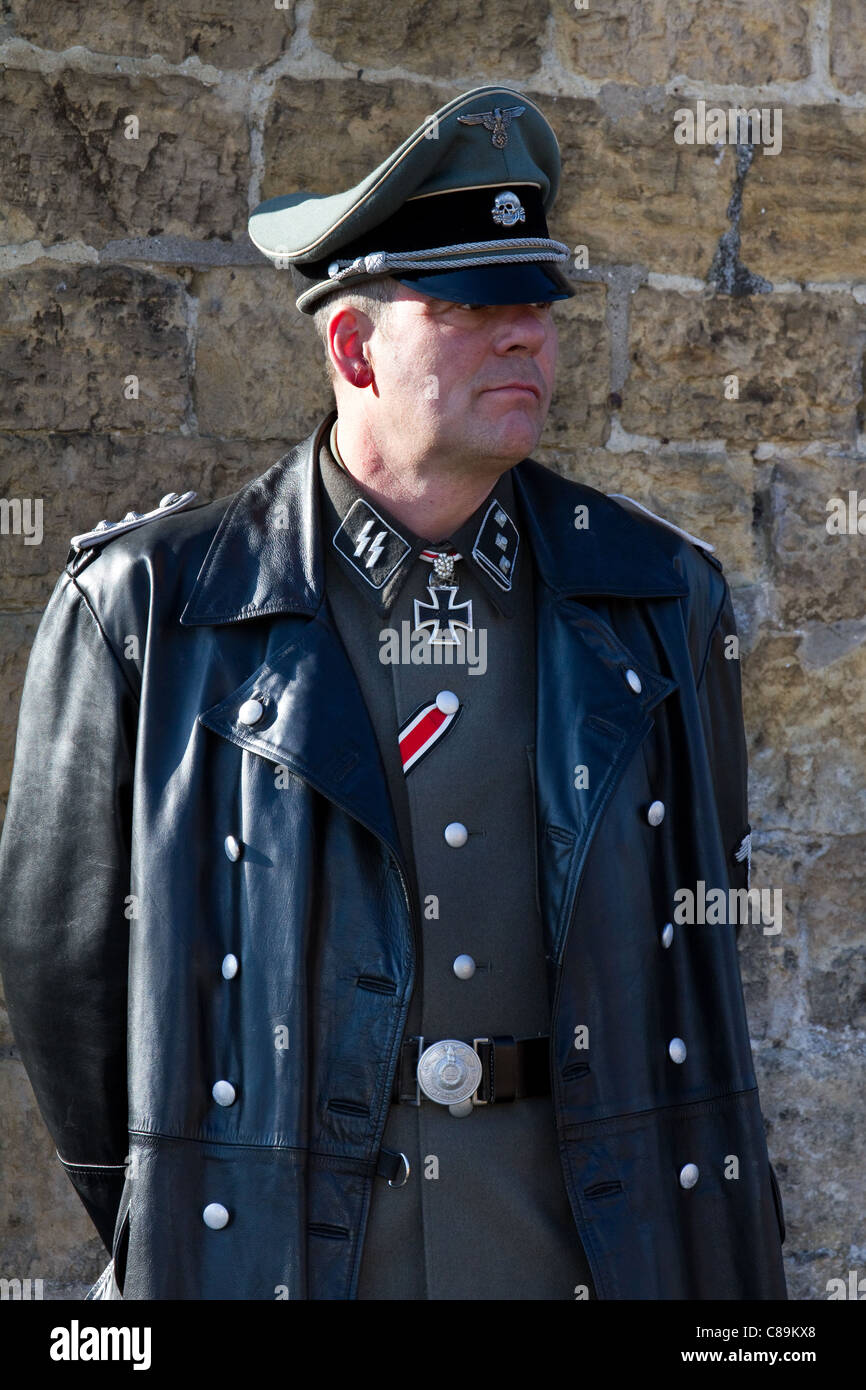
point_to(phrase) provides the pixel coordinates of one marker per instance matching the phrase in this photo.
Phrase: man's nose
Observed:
(524, 327)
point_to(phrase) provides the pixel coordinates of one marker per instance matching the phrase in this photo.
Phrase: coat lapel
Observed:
(265, 560)
(316, 724)
(589, 718)
(589, 723)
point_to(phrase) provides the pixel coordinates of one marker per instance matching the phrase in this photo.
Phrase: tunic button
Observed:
(233, 848)
(656, 813)
(456, 834)
(689, 1175)
(224, 1093)
(634, 681)
(251, 711)
(230, 967)
(447, 701)
(464, 967)
(215, 1215)
(677, 1050)
(667, 934)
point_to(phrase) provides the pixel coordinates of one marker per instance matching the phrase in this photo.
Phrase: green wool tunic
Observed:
(484, 1213)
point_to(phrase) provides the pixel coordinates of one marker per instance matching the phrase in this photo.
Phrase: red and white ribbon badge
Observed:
(426, 727)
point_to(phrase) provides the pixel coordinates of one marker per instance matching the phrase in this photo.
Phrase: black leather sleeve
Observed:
(720, 692)
(64, 881)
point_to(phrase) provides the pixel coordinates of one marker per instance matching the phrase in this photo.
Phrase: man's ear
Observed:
(349, 331)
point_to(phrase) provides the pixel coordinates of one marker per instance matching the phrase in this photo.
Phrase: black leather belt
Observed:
(511, 1068)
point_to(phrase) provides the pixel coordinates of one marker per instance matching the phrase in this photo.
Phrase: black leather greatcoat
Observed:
(119, 902)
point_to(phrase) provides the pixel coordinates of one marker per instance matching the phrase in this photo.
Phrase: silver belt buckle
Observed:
(449, 1072)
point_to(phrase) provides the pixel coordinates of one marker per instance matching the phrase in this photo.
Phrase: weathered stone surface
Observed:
(70, 336)
(325, 135)
(71, 174)
(773, 964)
(45, 1232)
(83, 477)
(803, 208)
(656, 40)
(812, 1099)
(221, 32)
(807, 734)
(709, 495)
(835, 932)
(259, 368)
(7, 1042)
(17, 631)
(629, 193)
(579, 409)
(818, 576)
(435, 37)
(848, 45)
(796, 357)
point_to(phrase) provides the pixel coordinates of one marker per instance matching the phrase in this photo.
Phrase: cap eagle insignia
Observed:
(496, 121)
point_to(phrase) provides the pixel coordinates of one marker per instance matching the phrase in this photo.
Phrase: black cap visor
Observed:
(525, 283)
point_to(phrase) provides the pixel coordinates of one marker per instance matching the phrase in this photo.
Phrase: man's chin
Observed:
(515, 432)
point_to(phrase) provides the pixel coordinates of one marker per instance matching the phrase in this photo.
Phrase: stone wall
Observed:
(129, 256)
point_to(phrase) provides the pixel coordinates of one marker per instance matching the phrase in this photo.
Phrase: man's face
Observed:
(464, 383)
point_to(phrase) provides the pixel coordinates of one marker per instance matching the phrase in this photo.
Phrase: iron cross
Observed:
(437, 633)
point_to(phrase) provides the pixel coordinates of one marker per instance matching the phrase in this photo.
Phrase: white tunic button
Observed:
(233, 848)
(667, 934)
(224, 1093)
(456, 834)
(464, 967)
(215, 1215)
(230, 967)
(656, 813)
(251, 711)
(689, 1175)
(677, 1050)
(634, 681)
(447, 702)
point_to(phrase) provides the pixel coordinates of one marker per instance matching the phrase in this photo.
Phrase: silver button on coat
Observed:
(689, 1174)
(677, 1050)
(656, 813)
(233, 848)
(456, 834)
(464, 967)
(224, 1093)
(447, 701)
(215, 1215)
(230, 967)
(634, 681)
(667, 934)
(251, 711)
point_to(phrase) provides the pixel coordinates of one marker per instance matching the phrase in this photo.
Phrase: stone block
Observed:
(259, 370)
(796, 357)
(658, 40)
(72, 337)
(71, 172)
(221, 32)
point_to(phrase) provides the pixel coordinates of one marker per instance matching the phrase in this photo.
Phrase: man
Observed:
(376, 781)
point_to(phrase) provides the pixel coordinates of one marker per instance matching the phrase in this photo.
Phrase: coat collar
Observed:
(488, 542)
(266, 555)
